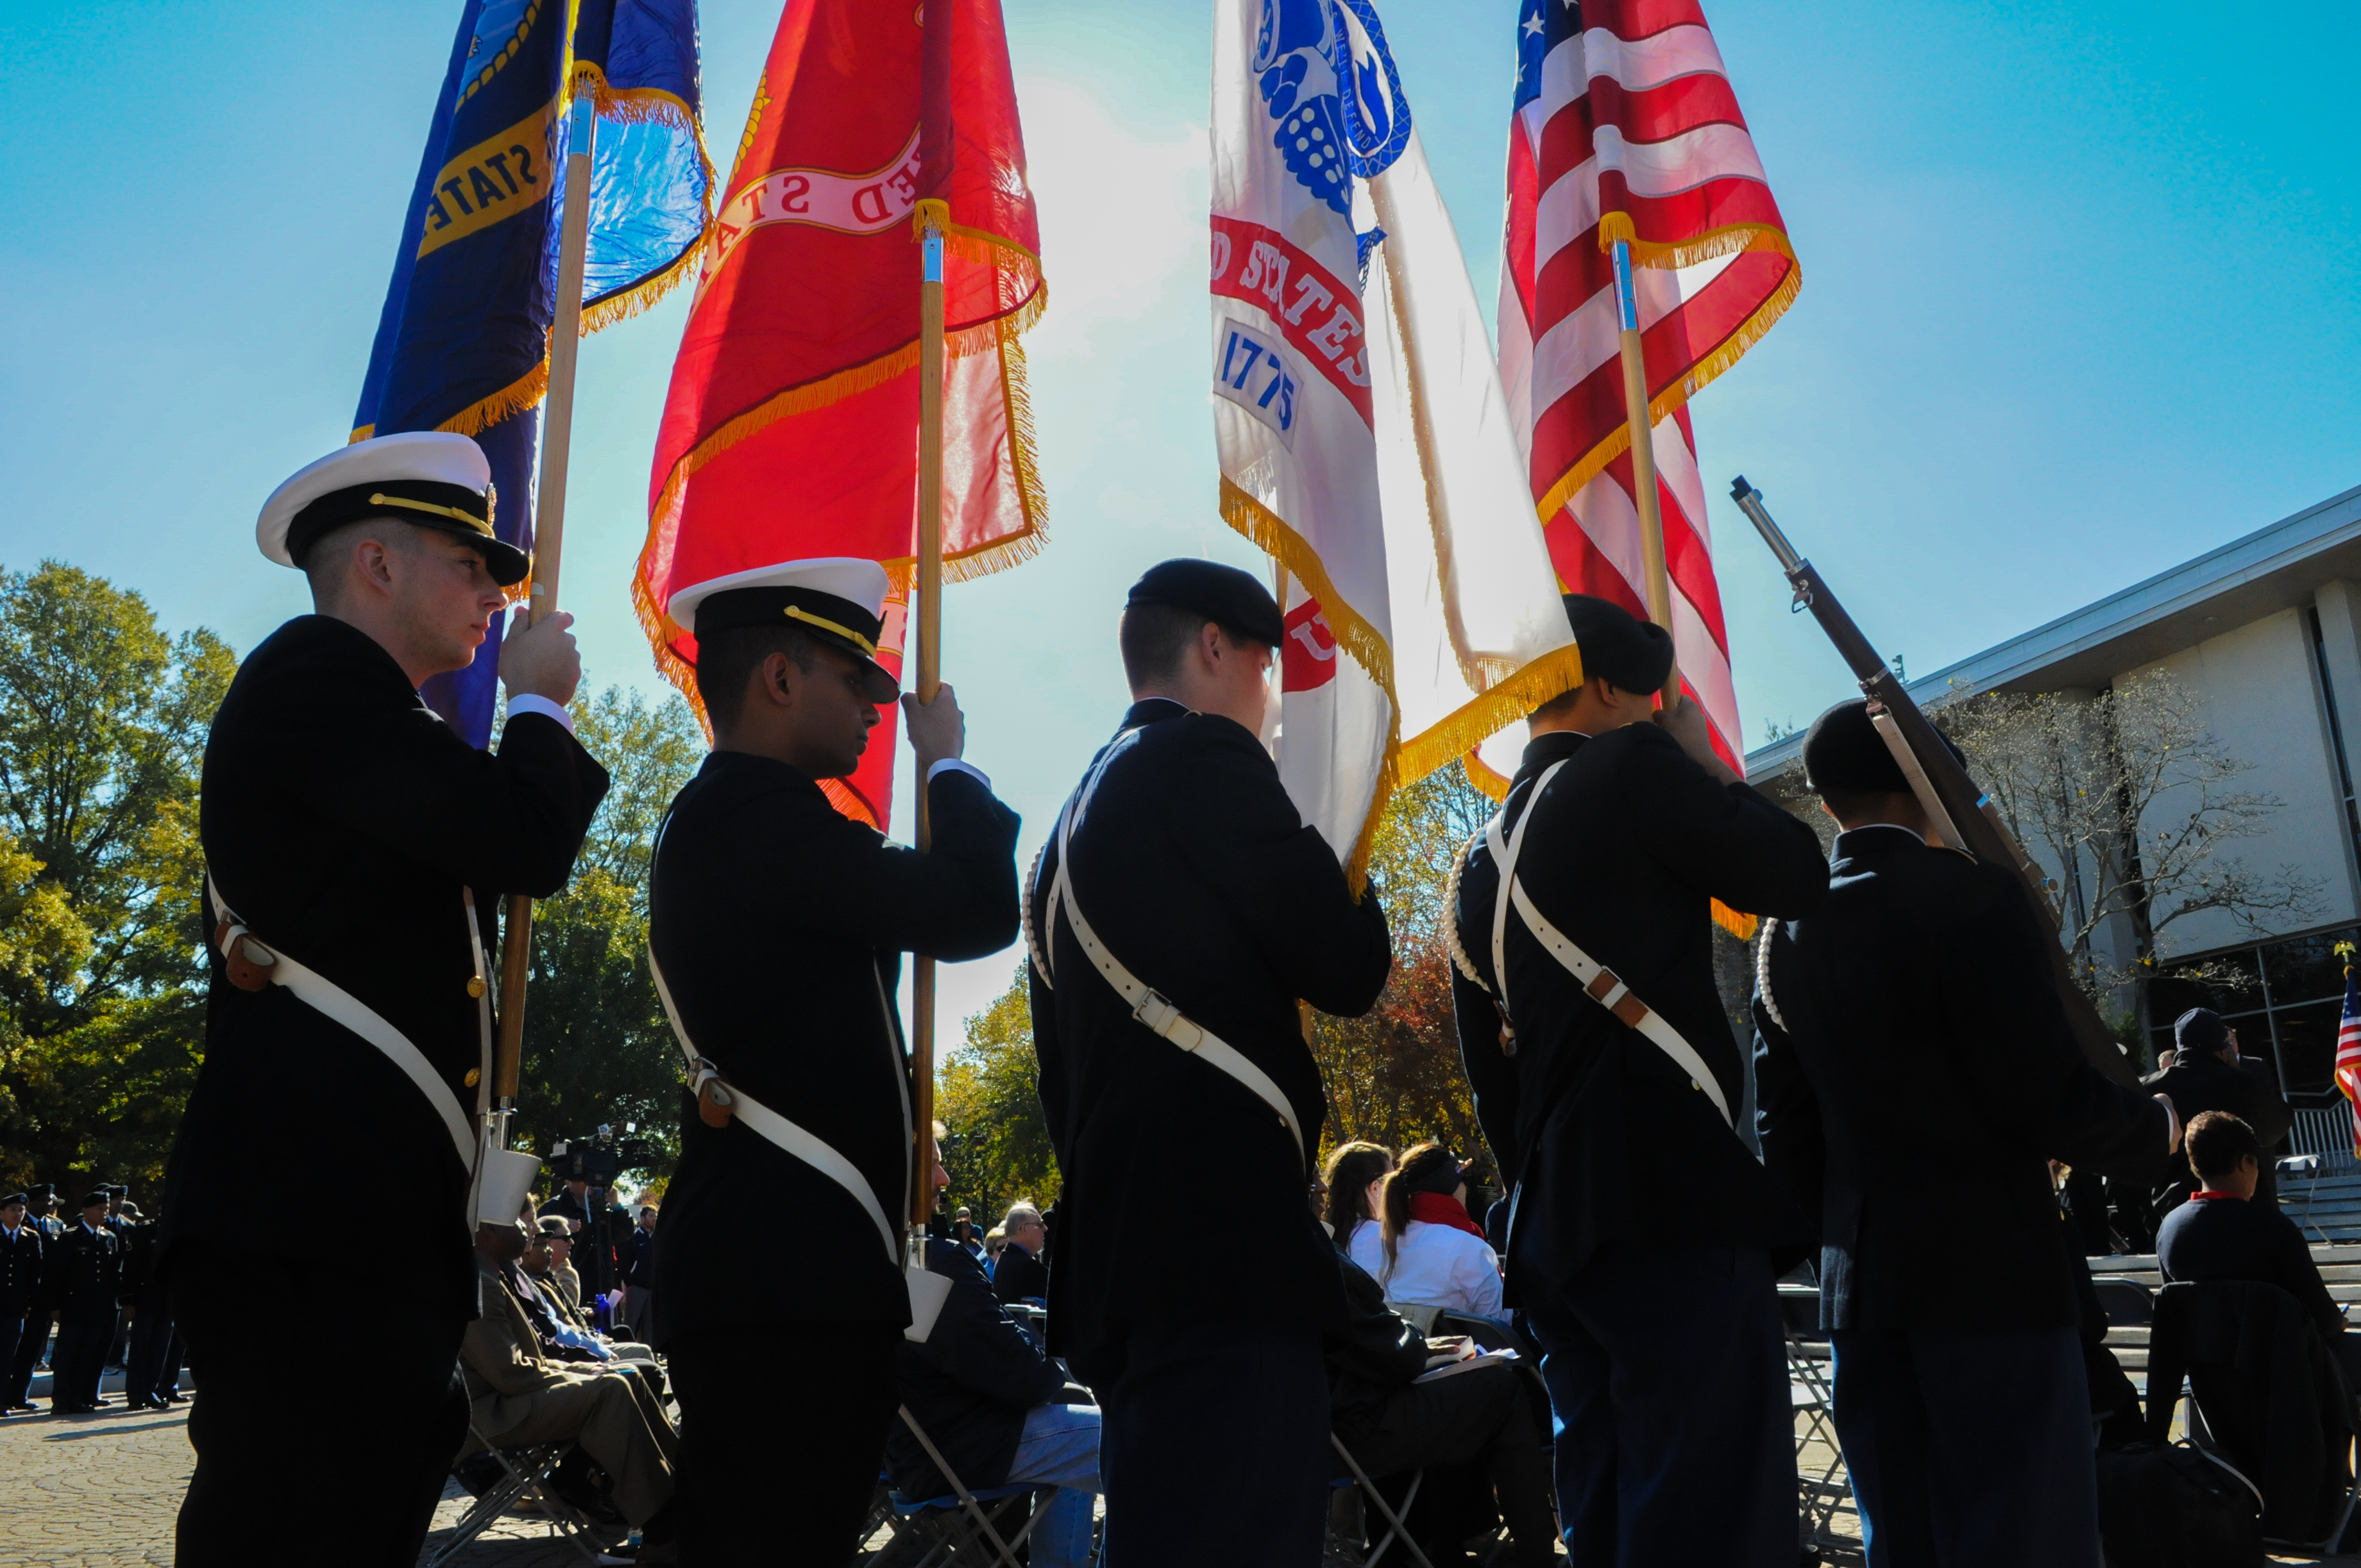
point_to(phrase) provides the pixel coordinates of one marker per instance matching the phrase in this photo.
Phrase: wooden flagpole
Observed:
(549, 535)
(1658, 585)
(932, 217)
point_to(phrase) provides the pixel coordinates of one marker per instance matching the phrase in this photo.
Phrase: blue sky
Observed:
(2079, 302)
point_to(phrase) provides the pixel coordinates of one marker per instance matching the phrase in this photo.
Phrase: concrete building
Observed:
(2265, 633)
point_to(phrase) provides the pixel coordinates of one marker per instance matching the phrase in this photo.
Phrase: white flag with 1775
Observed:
(1363, 439)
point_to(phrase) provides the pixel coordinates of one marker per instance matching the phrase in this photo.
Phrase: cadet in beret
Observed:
(778, 925)
(20, 1290)
(344, 826)
(1644, 1239)
(1194, 873)
(1920, 989)
(33, 1333)
(83, 1276)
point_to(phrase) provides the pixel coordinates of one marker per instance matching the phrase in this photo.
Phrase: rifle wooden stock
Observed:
(1972, 812)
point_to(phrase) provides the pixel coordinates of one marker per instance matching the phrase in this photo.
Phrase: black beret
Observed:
(18, 1198)
(97, 1198)
(1230, 599)
(42, 1192)
(1631, 653)
(1844, 753)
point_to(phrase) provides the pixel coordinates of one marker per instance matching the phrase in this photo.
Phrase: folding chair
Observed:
(523, 1471)
(1343, 1551)
(954, 1527)
(2191, 1359)
(1822, 1481)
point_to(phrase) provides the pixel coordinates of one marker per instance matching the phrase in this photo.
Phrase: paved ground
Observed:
(101, 1491)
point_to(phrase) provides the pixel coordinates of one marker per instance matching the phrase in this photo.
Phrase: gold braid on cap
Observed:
(796, 612)
(381, 499)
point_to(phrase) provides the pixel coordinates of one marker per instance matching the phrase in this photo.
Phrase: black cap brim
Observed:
(878, 683)
(508, 565)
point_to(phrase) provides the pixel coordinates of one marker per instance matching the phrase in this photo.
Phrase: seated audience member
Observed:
(1425, 1249)
(1480, 1418)
(995, 1241)
(1000, 1411)
(565, 1332)
(555, 1250)
(519, 1394)
(2226, 1230)
(1020, 1275)
(2208, 1074)
(1357, 1180)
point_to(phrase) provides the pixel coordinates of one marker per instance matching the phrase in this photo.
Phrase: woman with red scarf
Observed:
(1434, 1254)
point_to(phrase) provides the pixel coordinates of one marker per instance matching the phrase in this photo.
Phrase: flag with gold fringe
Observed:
(790, 427)
(462, 340)
(1363, 434)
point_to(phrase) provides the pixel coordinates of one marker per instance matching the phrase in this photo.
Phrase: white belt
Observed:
(1598, 983)
(325, 996)
(928, 1291)
(1162, 1016)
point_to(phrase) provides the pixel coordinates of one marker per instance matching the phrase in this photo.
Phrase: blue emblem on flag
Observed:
(1294, 37)
(1377, 115)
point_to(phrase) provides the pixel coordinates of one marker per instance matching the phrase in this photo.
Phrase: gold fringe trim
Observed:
(1660, 408)
(753, 123)
(1032, 498)
(525, 393)
(1459, 732)
(1741, 927)
(1728, 240)
(1355, 635)
(360, 432)
(645, 294)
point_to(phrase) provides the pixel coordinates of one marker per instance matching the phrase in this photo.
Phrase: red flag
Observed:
(1625, 126)
(791, 426)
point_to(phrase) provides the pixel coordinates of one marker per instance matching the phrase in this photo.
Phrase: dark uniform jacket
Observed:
(143, 1286)
(1923, 1077)
(1601, 1136)
(970, 1385)
(341, 819)
(20, 1273)
(640, 1259)
(83, 1272)
(1372, 1354)
(781, 925)
(2202, 1082)
(2225, 1238)
(1195, 870)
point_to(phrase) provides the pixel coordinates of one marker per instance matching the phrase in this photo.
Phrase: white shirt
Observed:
(1435, 1265)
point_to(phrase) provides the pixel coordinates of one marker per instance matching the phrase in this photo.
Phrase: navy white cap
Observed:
(837, 599)
(431, 478)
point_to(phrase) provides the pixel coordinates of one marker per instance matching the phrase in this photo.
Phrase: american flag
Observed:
(1625, 126)
(2348, 1045)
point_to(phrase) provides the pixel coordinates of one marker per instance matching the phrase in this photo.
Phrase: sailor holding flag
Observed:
(776, 928)
(350, 837)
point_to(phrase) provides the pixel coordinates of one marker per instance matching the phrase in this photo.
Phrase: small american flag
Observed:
(2348, 1044)
(1625, 126)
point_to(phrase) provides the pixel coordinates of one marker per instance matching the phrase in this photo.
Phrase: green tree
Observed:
(597, 1048)
(102, 724)
(1393, 1074)
(996, 1149)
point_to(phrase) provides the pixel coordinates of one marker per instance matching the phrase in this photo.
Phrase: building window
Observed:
(2283, 997)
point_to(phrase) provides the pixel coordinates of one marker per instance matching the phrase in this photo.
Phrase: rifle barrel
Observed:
(1987, 838)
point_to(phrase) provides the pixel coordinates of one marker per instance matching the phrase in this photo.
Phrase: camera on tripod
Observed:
(600, 1158)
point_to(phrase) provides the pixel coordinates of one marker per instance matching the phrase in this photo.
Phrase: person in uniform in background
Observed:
(1195, 875)
(1947, 1275)
(346, 827)
(2208, 1074)
(84, 1278)
(20, 1290)
(40, 1314)
(151, 1378)
(1645, 1239)
(778, 925)
(640, 1276)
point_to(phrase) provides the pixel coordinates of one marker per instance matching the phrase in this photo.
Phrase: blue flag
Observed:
(462, 340)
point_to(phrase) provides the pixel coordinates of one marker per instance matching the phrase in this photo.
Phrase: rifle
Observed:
(1960, 811)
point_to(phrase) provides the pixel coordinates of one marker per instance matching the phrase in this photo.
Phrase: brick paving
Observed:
(101, 1491)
